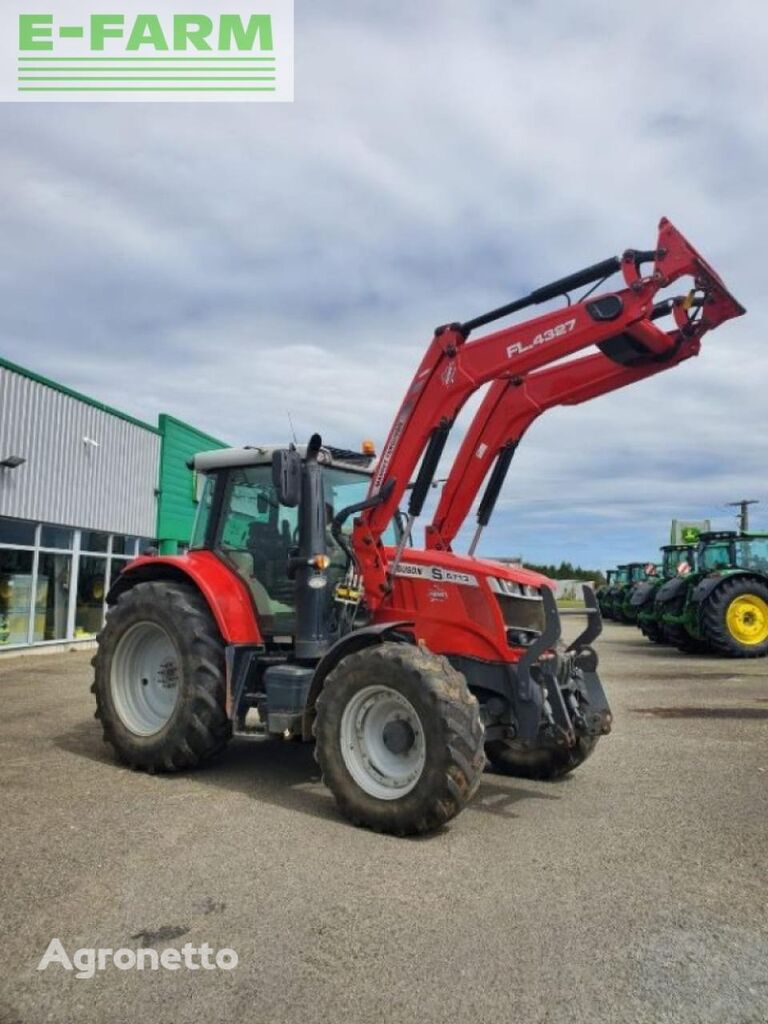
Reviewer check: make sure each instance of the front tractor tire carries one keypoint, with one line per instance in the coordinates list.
(399, 739)
(543, 763)
(734, 618)
(159, 678)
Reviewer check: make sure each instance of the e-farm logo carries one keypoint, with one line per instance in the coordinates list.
(148, 50)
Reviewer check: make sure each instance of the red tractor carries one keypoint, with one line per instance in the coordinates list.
(302, 609)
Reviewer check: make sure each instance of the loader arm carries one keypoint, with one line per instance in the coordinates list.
(454, 367)
(507, 411)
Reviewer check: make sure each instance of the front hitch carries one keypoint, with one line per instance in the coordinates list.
(558, 695)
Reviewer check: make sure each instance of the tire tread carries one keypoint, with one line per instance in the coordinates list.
(202, 730)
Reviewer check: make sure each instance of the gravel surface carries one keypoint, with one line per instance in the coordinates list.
(635, 891)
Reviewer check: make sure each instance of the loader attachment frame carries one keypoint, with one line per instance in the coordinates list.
(542, 671)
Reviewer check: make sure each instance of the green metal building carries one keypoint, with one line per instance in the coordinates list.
(179, 487)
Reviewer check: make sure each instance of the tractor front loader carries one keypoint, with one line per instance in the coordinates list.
(303, 608)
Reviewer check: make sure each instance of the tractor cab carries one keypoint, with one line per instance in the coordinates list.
(725, 549)
(638, 572)
(716, 550)
(252, 517)
(677, 560)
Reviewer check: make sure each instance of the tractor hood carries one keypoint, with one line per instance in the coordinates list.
(446, 567)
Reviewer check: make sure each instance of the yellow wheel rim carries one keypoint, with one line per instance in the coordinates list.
(747, 619)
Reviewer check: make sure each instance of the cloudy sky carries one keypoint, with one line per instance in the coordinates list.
(229, 263)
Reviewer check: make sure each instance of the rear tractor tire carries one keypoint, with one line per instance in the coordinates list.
(399, 739)
(159, 679)
(734, 618)
(678, 636)
(652, 632)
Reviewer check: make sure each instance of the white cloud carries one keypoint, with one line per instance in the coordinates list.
(228, 263)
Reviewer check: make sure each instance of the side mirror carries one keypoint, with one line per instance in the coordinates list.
(286, 476)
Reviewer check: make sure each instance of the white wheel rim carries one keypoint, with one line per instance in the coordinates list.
(382, 742)
(145, 678)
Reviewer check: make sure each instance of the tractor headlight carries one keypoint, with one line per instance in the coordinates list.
(521, 608)
(508, 587)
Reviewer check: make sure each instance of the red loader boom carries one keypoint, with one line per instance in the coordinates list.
(621, 323)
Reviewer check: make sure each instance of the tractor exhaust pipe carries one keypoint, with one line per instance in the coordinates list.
(311, 580)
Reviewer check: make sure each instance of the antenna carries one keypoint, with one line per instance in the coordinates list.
(743, 513)
(293, 429)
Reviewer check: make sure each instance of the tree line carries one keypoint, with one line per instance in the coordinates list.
(566, 571)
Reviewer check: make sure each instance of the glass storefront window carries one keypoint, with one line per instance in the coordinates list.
(124, 545)
(116, 566)
(91, 589)
(56, 537)
(90, 540)
(15, 596)
(54, 573)
(17, 531)
(49, 596)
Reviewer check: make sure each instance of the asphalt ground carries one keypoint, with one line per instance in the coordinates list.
(636, 891)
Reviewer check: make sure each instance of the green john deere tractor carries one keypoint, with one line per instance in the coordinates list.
(651, 573)
(670, 603)
(627, 576)
(676, 560)
(618, 577)
(602, 593)
(723, 606)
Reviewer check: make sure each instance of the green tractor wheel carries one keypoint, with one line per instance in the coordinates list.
(679, 637)
(735, 617)
(652, 631)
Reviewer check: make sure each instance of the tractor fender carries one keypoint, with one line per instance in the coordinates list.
(356, 641)
(641, 593)
(225, 593)
(671, 589)
(705, 587)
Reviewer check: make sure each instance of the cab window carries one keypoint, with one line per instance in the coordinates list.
(255, 536)
(752, 553)
(716, 556)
